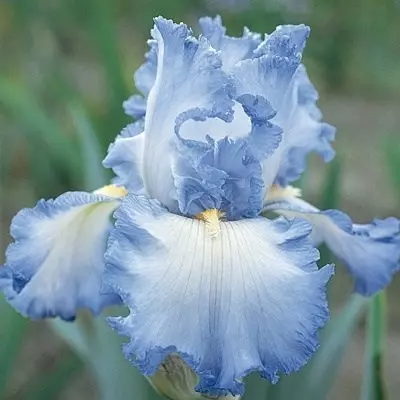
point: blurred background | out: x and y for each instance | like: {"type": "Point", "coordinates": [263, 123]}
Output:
{"type": "Point", "coordinates": [66, 67]}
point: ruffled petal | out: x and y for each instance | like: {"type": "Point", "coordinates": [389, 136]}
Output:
{"type": "Point", "coordinates": [305, 132]}
{"type": "Point", "coordinates": [189, 84]}
{"type": "Point", "coordinates": [144, 77]}
{"type": "Point", "coordinates": [135, 106]}
{"type": "Point", "coordinates": [55, 265]}
{"type": "Point", "coordinates": [371, 252]}
{"type": "Point", "coordinates": [125, 157]}
{"type": "Point", "coordinates": [226, 174]}
{"type": "Point", "coordinates": [285, 41]}
{"type": "Point", "coordinates": [250, 298]}
{"type": "Point", "coordinates": [233, 49]}
{"type": "Point", "coordinates": [276, 74]}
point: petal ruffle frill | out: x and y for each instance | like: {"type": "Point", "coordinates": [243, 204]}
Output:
{"type": "Point", "coordinates": [250, 298]}
{"type": "Point", "coordinates": [371, 252]}
{"type": "Point", "coordinates": [276, 74]}
{"type": "Point", "coordinates": [189, 84]}
{"type": "Point", "coordinates": [233, 49]}
{"type": "Point", "coordinates": [55, 265]}
{"type": "Point", "coordinates": [125, 158]}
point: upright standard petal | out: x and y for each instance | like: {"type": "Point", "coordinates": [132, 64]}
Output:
{"type": "Point", "coordinates": [145, 77]}
{"type": "Point", "coordinates": [55, 265]}
{"type": "Point", "coordinates": [189, 84]}
{"type": "Point", "coordinates": [371, 252]}
{"type": "Point", "coordinates": [304, 132]}
{"type": "Point", "coordinates": [226, 174]}
{"type": "Point", "coordinates": [125, 157]}
{"type": "Point", "coordinates": [277, 75]}
{"type": "Point", "coordinates": [233, 49]}
{"type": "Point", "coordinates": [249, 298]}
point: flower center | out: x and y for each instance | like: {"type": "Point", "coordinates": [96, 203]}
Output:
{"type": "Point", "coordinates": [212, 217]}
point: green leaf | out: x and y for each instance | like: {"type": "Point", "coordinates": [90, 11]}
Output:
{"type": "Point", "coordinates": [374, 385]}
{"type": "Point", "coordinates": [256, 388]}
{"type": "Point", "coordinates": [40, 130]}
{"type": "Point", "coordinates": [51, 383]}
{"type": "Point", "coordinates": [12, 331]}
{"type": "Point", "coordinates": [102, 24]}
{"type": "Point", "coordinates": [92, 155]}
{"type": "Point", "coordinates": [330, 199]}
{"type": "Point", "coordinates": [331, 188]}
{"type": "Point", "coordinates": [315, 380]}
{"type": "Point", "coordinates": [391, 150]}
{"type": "Point", "coordinates": [100, 348]}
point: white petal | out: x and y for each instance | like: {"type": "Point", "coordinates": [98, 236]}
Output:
{"type": "Point", "coordinates": [247, 298]}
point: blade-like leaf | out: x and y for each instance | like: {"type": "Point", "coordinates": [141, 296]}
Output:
{"type": "Point", "coordinates": [50, 384]}
{"type": "Point", "coordinates": [94, 174]}
{"type": "Point", "coordinates": [392, 155]}
{"type": "Point", "coordinates": [102, 24]}
{"type": "Point", "coordinates": [100, 348]}
{"type": "Point", "coordinates": [39, 127]}
{"type": "Point", "coordinates": [315, 380]}
{"type": "Point", "coordinates": [256, 388]}
{"type": "Point", "coordinates": [331, 188]}
{"type": "Point", "coordinates": [330, 199]}
{"type": "Point", "coordinates": [12, 330]}
{"type": "Point", "coordinates": [374, 386]}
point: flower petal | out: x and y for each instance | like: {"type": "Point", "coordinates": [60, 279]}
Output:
{"type": "Point", "coordinates": [371, 252]}
{"type": "Point", "coordinates": [250, 298]}
{"type": "Point", "coordinates": [189, 82]}
{"type": "Point", "coordinates": [226, 174]}
{"type": "Point", "coordinates": [135, 106]}
{"type": "Point", "coordinates": [277, 75]}
{"type": "Point", "coordinates": [56, 263]}
{"type": "Point", "coordinates": [233, 49]}
{"type": "Point", "coordinates": [145, 77]}
{"type": "Point", "coordinates": [125, 157]}
{"type": "Point", "coordinates": [304, 133]}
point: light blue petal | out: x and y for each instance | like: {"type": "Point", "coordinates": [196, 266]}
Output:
{"type": "Point", "coordinates": [144, 77]}
{"type": "Point", "coordinates": [135, 106]}
{"type": "Point", "coordinates": [251, 298]}
{"type": "Point", "coordinates": [233, 49]}
{"type": "Point", "coordinates": [305, 133]}
{"type": "Point", "coordinates": [226, 174]}
{"type": "Point", "coordinates": [285, 41]}
{"type": "Point", "coordinates": [189, 83]}
{"type": "Point", "coordinates": [371, 252]}
{"type": "Point", "coordinates": [125, 157]}
{"type": "Point", "coordinates": [277, 75]}
{"type": "Point", "coordinates": [55, 265]}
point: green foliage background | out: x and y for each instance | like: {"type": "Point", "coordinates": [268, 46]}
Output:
{"type": "Point", "coordinates": [67, 65]}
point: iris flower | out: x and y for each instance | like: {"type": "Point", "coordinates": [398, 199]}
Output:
{"type": "Point", "coordinates": [224, 125]}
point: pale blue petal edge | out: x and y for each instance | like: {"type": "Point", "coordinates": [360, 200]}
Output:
{"type": "Point", "coordinates": [317, 136]}
{"type": "Point", "coordinates": [371, 252]}
{"type": "Point", "coordinates": [233, 49]}
{"type": "Point", "coordinates": [125, 161]}
{"type": "Point", "coordinates": [25, 255]}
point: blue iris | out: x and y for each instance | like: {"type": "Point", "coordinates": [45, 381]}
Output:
{"type": "Point", "coordinates": [223, 126]}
